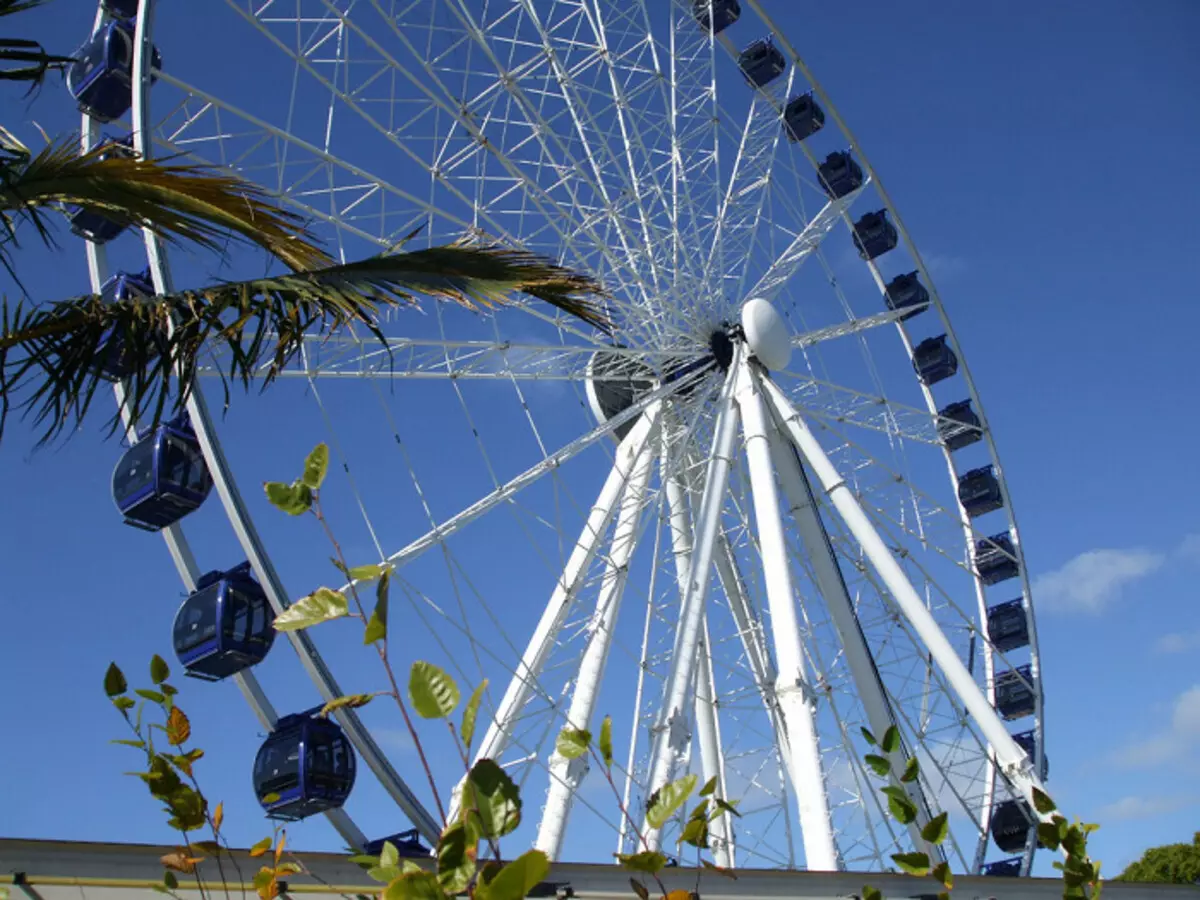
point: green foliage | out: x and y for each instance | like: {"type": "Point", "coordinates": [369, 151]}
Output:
{"type": "Point", "coordinates": [295, 499]}
{"type": "Point", "coordinates": [114, 681]}
{"type": "Point", "coordinates": [912, 863]}
{"type": "Point", "coordinates": [1169, 864]}
{"type": "Point", "coordinates": [315, 467]}
{"type": "Point", "coordinates": [159, 670]}
{"type": "Point", "coordinates": [322, 606]}
{"type": "Point", "coordinates": [516, 879]}
{"type": "Point", "coordinates": [891, 740]}
{"type": "Point", "coordinates": [350, 701]}
{"type": "Point", "coordinates": [471, 712]}
{"type": "Point", "coordinates": [491, 801]}
{"type": "Point", "coordinates": [605, 743]}
{"type": "Point", "coordinates": [456, 853]}
{"type": "Point", "coordinates": [668, 799]}
{"type": "Point", "coordinates": [879, 764]}
{"type": "Point", "coordinates": [432, 691]}
{"type": "Point", "coordinates": [572, 743]}
{"type": "Point", "coordinates": [649, 861]}
{"type": "Point", "coordinates": [936, 829]}
{"type": "Point", "coordinates": [377, 625]}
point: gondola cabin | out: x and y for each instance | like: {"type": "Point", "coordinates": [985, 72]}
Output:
{"type": "Point", "coordinates": [101, 78]}
{"type": "Point", "coordinates": [88, 223]}
{"type": "Point", "coordinates": [762, 62]}
{"type": "Point", "coordinates": [995, 558]}
{"type": "Point", "coordinates": [614, 383]}
{"type": "Point", "coordinates": [905, 292]}
{"type": "Point", "coordinates": [305, 766]}
{"type": "Point", "coordinates": [1015, 697]}
{"type": "Point", "coordinates": [407, 843]}
{"type": "Point", "coordinates": [979, 491]}
{"type": "Point", "coordinates": [874, 234]}
{"type": "Point", "coordinates": [1008, 626]}
{"type": "Point", "coordinates": [1027, 741]}
{"type": "Point", "coordinates": [224, 626]}
{"type": "Point", "coordinates": [724, 14]}
{"type": "Point", "coordinates": [1011, 821]}
{"type": "Point", "coordinates": [933, 360]}
{"type": "Point", "coordinates": [958, 426]}
{"type": "Point", "coordinates": [1003, 868]}
{"type": "Point", "coordinates": [162, 477]}
{"type": "Point", "coordinates": [122, 9]}
{"type": "Point", "coordinates": [840, 174]}
{"type": "Point", "coordinates": [802, 118]}
{"type": "Point", "coordinates": [113, 363]}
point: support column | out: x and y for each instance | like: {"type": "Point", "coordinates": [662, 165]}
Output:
{"type": "Point", "coordinates": [796, 701]}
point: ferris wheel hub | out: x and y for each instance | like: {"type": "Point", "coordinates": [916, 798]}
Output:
{"type": "Point", "coordinates": [767, 335]}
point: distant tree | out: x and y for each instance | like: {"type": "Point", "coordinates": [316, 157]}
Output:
{"type": "Point", "coordinates": [1170, 864]}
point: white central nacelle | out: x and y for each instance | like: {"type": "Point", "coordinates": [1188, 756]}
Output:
{"type": "Point", "coordinates": [767, 335]}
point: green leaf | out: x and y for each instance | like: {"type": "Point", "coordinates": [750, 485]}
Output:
{"type": "Point", "coordinates": [295, 499]}
{"type": "Point", "coordinates": [471, 712]}
{"type": "Point", "coordinates": [1043, 803]}
{"type": "Point", "coordinates": [709, 787]}
{"type": "Point", "coordinates": [159, 670]}
{"type": "Point", "coordinates": [912, 863]}
{"type": "Point", "coordinates": [726, 806]}
{"type": "Point", "coordinates": [518, 878]}
{"type": "Point", "coordinates": [152, 696]}
{"type": "Point", "coordinates": [943, 874]}
{"type": "Point", "coordinates": [350, 701]}
{"type": "Point", "coordinates": [123, 703]}
{"type": "Point", "coordinates": [389, 855]}
{"type": "Point", "coordinates": [318, 607]}
{"type": "Point", "coordinates": [870, 893]}
{"type": "Point", "coordinates": [606, 747]}
{"type": "Point", "coordinates": [364, 860]}
{"type": "Point", "coordinates": [713, 867]}
{"type": "Point", "coordinates": [911, 769]}
{"type": "Point", "coordinates": [891, 740]}
{"type": "Point", "coordinates": [869, 738]}
{"type": "Point", "coordinates": [384, 874]}
{"type": "Point", "coordinates": [900, 806]}
{"type": "Point", "coordinates": [434, 693]}
{"type": "Point", "coordinates": [669, 798]}
{"type": "Point", "coordinates": [695, 833]}
{"type": "Point", "coordinates": [456, 854]}
{"type": "Point", "coordinates": [639, 889]}
{"type": "Point", "coordinates": [169, 689]}
{"type": "Point", "coordinates": [494, 798]}
{"type": "Point", "coordinates": [879, 764]}
{"type": "Point", "coordinates": [315, 467]}
{"type": "Point", "coordinates": [649, 861]}
{"type": "Point", "coordinates": [141, 745]}
{"type": "Point", "coordinates": [573, 742]}
{"type": "Point", "coordinates": [378, 624]}
{"type": "Point", "coordinates": [1048, 835]}
{"type": "Point", "coordinates": [936, 829]}
{"type": "Point", "coordinates": [415, 886]}
{"type": "Point", "coordinates": [367, 573]}
{"type": "Point", "coordinates": [114, 681]}
{"type": "Point", "coordinates": [170, 882]}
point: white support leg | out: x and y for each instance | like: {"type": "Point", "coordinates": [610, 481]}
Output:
{"type": "Point", "coordinates": [841, 610]}
{"type": "Point", "coordinates": [566, 775]}
{"type": "Point", "coordinates": [672, 733]}
{"type": "Point", "coordinates": [712, 760]}
{"type": "Point", "coordinates": [528, 669]}
{"type": "Point", "coordinates": [796, 701]}
{"type": "Point", "coordinates": [1014, 763]}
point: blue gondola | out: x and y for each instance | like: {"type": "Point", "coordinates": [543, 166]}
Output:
{"type": "Point", "coordinates": [92, 225]}
{"type": "Point", "coordinates": [224, 626]}
{"type": "Point", "coordinates": [1008, 626]}
{"type": "Point", "coordinates": [840, 174]}
{"type": "Point", "coordinates": [979, 491]}
{"type": "Point", "coordinates": [762, 62]}
{"type": "Point", "coordinates": [1011, 821]}
{"type": "Point", "coordinates": [305, 766]}
{"type": "Point", "coordinates": [1015, 697]}
{"type": "Point", "coordinates": [724, 14]}
{"type": "Point", "coordinates": [995, 558]}
{"type": "Point", "coordinates": [874, 234]}
{"type": "Point", "coordinates": [1004, 868]}
{"type": "Point", "coordinates": [958, 426]}
{"type": "Point", "coordinates": [802, 117]}
{"type": "Point", "coordinates": [162, 477]}
{"type": "Point", "coordinates": [113, 363]}
{"type": "Point", "coordinates": [407, 843]}
{"type": "Point", "coordinates": [906, 292]}
{"type": "Point", "coordinates": [934, 360]}
{"type": "Point", "coordinates": [101, 78]}
{"type": "Point", "coordinates": [1027, 741]}
{"type": "Point", "coordinates": [122, 9]}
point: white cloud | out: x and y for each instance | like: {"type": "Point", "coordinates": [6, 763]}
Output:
{"type": "Point", "coordinates": [944, 266]}
{"type": "Point", "coordinates": [1093, 579]}
{"type": "Point", "coordinates": [1141, 808]}
{"type": "Point", "coordinates": [1173, 743]}
{"type": "Point", "coordinates": [1189, 547]}
{"type": "Point", "coordinates": [1178, 642]}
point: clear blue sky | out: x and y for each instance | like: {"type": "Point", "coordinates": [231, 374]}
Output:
{"type": "Point", "coordinates": [1043, 159]}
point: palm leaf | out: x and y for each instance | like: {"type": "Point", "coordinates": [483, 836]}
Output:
{"type": "Point", "coordinates": [178, 201]}
{"type": "Point", "coordinates": [49, 355]}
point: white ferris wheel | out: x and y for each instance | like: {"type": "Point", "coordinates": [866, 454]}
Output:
{"type": "Point", "coordinates": [763, 514]}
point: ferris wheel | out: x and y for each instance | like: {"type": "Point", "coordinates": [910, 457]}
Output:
{"type": "Point", "coordinates": [763, 514]}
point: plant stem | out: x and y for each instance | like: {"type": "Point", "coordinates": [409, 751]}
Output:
{"type": "Point", "coordinates": [621, 806]}
{"type": "Point", "coordinates": [381, 649]}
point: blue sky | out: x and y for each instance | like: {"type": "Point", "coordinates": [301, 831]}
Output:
{"type": "Point", "coordinates": [1042, 160]}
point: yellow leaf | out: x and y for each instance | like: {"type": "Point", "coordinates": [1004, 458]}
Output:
{"type": "Point", "coordinates": [218, 816]}
{"type": "Point", "coordinates": [261, 847]}
{"type": "Point", "coordinates": [179, 729]}
{"type": "Point", "coordinates": [679, 895]}
{"type": "Point", "coordinates": [279, 847]}
{"type": "Point", "coordinates": [179, 861]}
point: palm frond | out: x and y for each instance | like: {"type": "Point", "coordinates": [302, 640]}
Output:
{"type": "Point", "coordinates": [11, 7]}
{"type": "Point", "coordinates": [25, 60]}
{"type": "Point", "coordinates": [50, 356]}
{"type": "Point", "coordinates": [179, 201]}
